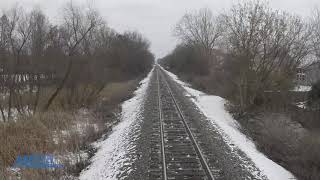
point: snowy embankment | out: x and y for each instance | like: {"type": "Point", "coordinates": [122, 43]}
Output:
{"type": "Point", "coordinates": [213, 108]}
{"type": "Point", "coordinates": [111, 157]}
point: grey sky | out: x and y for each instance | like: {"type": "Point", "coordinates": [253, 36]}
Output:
{"type": "Point", "coordinates": [154, 18]}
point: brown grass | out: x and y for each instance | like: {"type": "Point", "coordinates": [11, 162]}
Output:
{"type": "Point", "coordinates": [288, 143]}
{"type": "Point", "coordinates": [118, 91]}
{"type": "Point", "coordinates": [25, 137]}
{"type": "Point", "coordinates": [55, 132]}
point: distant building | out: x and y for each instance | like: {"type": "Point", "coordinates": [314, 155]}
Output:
{"type": "Point", "coordinates": [308, 75]}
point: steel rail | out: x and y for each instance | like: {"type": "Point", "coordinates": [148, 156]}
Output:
{"type": "Point", "coordinates": [164, 166]}
{"type": "Point", "coordinates": [203, 161]}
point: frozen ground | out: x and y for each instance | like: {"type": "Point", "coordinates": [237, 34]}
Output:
{"type": "Point", "coordinates": [214, 109]}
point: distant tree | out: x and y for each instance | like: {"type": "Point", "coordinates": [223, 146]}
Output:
{"type": "Point", "coordinates": [130, 53]}
{"type": "Point", "coordinates": [19, 33]}
{"type": "Point", "coordinates": [76, 28]}
{"type": "Point", "coordinates": [184, 59]}
{"type": "Point", "coordinates": [38, 44]}
{"type": "Point", "coordinates": [200, 30]}
{"type": "Point", "coordinates": [75, 60]}
{"type": "Point", "coordinates": [270, 44]}
{"type": "Point", "coordinates": [4, 36]}
{"type": "Point", "coordinates": [315, 25]}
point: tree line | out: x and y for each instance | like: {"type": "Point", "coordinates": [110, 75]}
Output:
{"type": "Point", "coordinates": [244, 51]}
{"type": "Point", "coordinates": [76, 58]}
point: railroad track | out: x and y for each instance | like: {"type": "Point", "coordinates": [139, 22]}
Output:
{"type": "Point", "coordinates": [175, 153]}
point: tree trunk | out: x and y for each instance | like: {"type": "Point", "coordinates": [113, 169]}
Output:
{"type": "Point", "coordinates": [59, 88]}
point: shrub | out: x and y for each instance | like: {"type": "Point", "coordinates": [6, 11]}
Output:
{"type": "Point", "coordinates": [314, 95]}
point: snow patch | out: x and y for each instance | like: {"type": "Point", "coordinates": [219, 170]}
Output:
{"type": "Point", "coordinates": [111, 154]}
{"type": "Point", "coordinates": [213, 107]}
{"type": "Point", "coordinates": [302, 105]}
{"type": "Point", "coordinates": [302, 88]}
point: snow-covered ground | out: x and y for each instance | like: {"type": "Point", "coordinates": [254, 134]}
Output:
{"type": "Point", "coordinates": [111, 156]}
{"type": "Point", "coordinates": [302, 105]}
{"type": "Point", "coordinates": [301, 88]}
{"type": "Point", "coordinates": [213, 107]}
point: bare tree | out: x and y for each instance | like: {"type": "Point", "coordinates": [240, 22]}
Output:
{"type": "Point", "coordinates": [38, 44]}
{"type": "Point", "coordinates": [74, 58]}
{"type": "Point", "coordinates": [200, 29]}
{"type": "Point", "coordinates": [76, 27]}
{"type": "Point", "coordinates": [4, 53]}
{"type": "Point", "coordinates": [270, 44]}
{"type": "Point", "coordinates": [19, 34]}
{"type": "Point", "coordinates": [315, 25]}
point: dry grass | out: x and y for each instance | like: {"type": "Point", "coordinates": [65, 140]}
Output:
{"type": "Point", "coordinates": [308, 158]}
{"type": "Point", "coordinates": [118, 91]}
{"type": "Point", "coordinates": [288, 143]}
{"type": "Point", "coordinates": [25, 137]}
{"type": "Point", "coordinates": [60, 132]}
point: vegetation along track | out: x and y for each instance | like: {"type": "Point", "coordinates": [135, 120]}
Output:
{"type": "Point", "coordinates": [175, 153]}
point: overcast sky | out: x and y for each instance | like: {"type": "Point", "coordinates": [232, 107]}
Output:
{"type": "Point", "coordinates": [155, 19]}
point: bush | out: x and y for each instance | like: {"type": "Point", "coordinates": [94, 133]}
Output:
{"type": "Point", "coordinates": [314, 95]}
{"type": "Point", "coordinates": [186, 60]}
{"type": "Point", "coordinates": [287, 143]}
{"type": "Point", "coordinates": [310, 157]}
